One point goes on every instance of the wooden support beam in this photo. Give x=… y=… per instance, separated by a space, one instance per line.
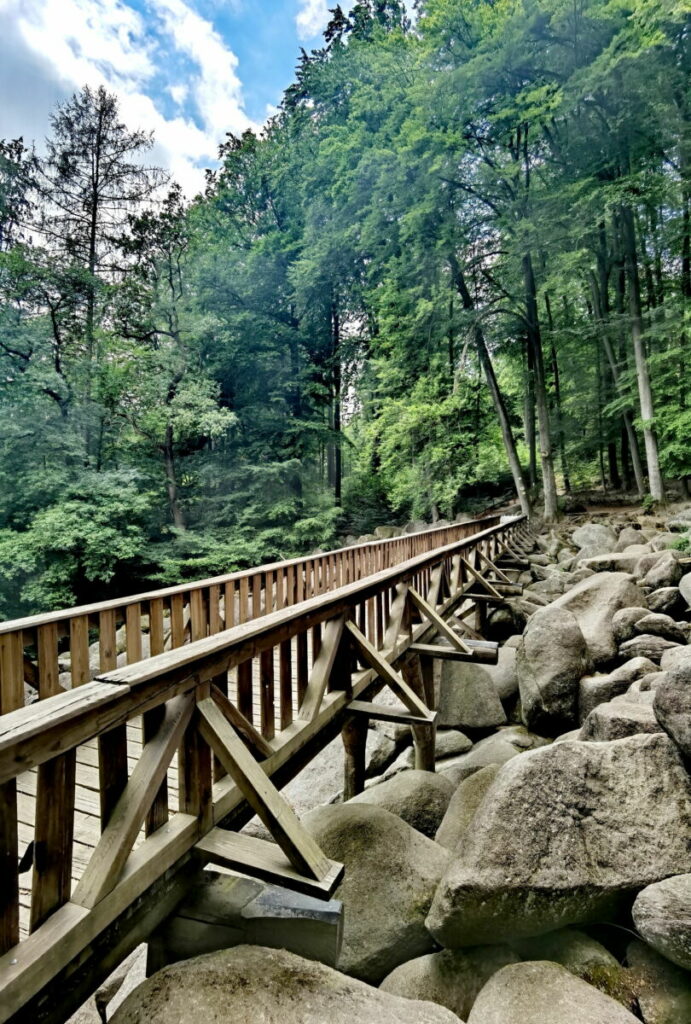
x=390 y=676
x=321 y=670
x=52 y=876
x=458 y=618
x=494 y=567
x=261 y=859
x=398 y=618
x=276 y=813
x=354 y=736
x=481 y=580
x=442 y=628
x=384 y=713
x=252 y=737
x=114 y=847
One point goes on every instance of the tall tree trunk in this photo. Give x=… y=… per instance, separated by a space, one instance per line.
x=549 y=484
x=598 y=290
x=171 y=480
x=493 y=385
x=642 y=376
x=529 y=416
x=557 y=399
x=336 y=356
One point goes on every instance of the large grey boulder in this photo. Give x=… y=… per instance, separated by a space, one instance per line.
x=662 y=914
x=551 y=659
x=539 y=992
x=463 y=806
x=672 y=706
x=420 y=798
x=451 y=978
x=496 y=749
x=621 y=561
x=468 y=698
x=676 y=657
x=667 y=600
x=628 y=536
x=504 y=675
x=594 y=602
x=659 y=624
x=594 y=690
x=646 y=645
x=597 y=538
x=573 y=949
x=450 y=742
x=267 y=986
x=665 y=572
x=622 y=716
x=391 y=874
x=664 y=990
x=624 y=622
x=685 y=588
x=571 y=833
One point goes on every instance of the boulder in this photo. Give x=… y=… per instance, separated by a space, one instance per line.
x=420 y=798
x=551 y=660
x=664 y=990
x=496 y=749
x=622 y=716
x=468 y=698
x=624 y=621
x=658 y=624
x=685 y=588
x=253 y=983
x=504 y=675
x=662 y=540
x=450 y=742
x=451 y=978
x=571 y=833
x=597 y=689
x=650 y=681
x=463 y=806
x=597 y=538
x=628 y=536
x=613 y=562
x=666 y=572
x=383 y=855
x=646 y=645
x=662 y=915
x=573 y=949
x=672 y=706
x=539 y=992
x=667 y=600
x=593 y=602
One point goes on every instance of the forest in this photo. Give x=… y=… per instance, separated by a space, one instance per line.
x=454 y=266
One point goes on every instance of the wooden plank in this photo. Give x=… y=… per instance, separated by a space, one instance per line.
x=54 y=833
x=286 y=682
x=157 y=814
x=107 y=641
x=321 y=670
x=156 y=627
x=278 y=816
x=266 y=694
x=244 y=600
x=487 y=653
x=492 y=591
x=214 y=609
x=494 y=567
x=261 y=859
x=9 y=860
x=384 y=713
x=196 y=777
x=113 y=770
x=79 y=650
x=382 y=667
x=133 y=632
x=115 y=844
x=442 y=628
x=257 y=581
x=301 y=664
x=244 y=690
x=229 y=604
x=254 y=739
x=397 y=617
x=11 y=672
x=47 y=656
x=197 y=615
x=177 y=620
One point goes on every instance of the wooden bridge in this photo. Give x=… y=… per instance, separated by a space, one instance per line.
x=121 y=780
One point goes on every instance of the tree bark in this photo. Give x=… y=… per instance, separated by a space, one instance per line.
x=529 y=416
x=549 y=483
x=171 y=481
x=493 y=385
x=645 y=393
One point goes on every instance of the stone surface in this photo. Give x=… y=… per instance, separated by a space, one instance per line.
x=622 y=716
x=685 y=588
x=420 y=798
x=573 y=949
x=675 y=657
x=646 y=645
x=468 y=698
x=621 y=561
x=662 y=915
x=664 y=990
x=463 y=806
x=667 y=600
x=595 y=535
x=624 y=621
x=571 y=833
x=594 y=602
x=496 y=749
x=627 y=536
x=503 y=675
x=538 y=992
x=450 y=742
x=594 y=690
x=662 y=625
x=267 y=986
x=383 y=855
x=550 y=662
x=666 y=571
x=450 y=978
x=672 y=706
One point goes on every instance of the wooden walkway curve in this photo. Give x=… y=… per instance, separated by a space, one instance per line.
x=113 y=790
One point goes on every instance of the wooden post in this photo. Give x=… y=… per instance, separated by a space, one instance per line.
x=354 y=736
x=424 y=736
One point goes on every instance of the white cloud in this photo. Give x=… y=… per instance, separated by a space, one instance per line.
x=105 y=42
x=312 y=18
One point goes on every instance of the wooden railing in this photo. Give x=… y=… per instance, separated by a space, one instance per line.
x=70 y=647
x=223 y=721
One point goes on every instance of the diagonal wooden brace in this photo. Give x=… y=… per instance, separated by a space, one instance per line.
x=388 y=673
x=435 y=619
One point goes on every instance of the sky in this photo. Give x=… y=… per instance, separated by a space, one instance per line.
x=188 y=70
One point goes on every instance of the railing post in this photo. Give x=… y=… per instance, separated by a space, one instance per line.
x=354 y=736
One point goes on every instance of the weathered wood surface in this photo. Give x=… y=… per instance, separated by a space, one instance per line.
x=126 y=725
